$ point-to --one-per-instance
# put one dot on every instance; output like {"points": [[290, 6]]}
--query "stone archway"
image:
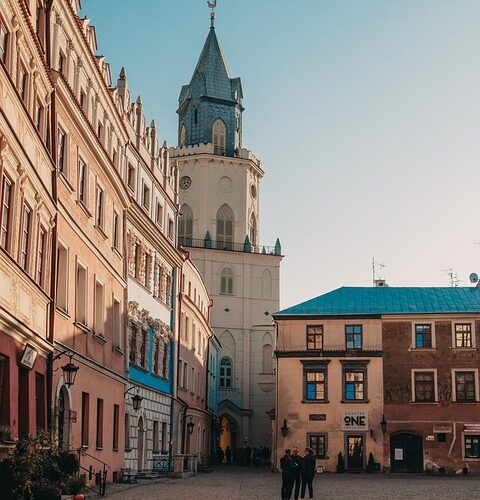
{"points": [[63, 418]]}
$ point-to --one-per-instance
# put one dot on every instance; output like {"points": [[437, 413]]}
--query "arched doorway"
{"points": [[63, 424], [228, 433], [141, 444], [406, 452]]}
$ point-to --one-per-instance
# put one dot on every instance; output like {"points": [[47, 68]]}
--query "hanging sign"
{"points": [[355, 420], [29, 357]]}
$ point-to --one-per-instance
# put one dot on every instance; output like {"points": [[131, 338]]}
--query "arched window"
{"points": [[267, 284], [219, 134], [226, 372], [226, 281], [183, 136], [195, 116], [267, 360], [185, 225], [225, 220], [253, 229]]}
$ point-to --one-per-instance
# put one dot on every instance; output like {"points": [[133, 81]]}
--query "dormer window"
{"points": [[219, 134]]}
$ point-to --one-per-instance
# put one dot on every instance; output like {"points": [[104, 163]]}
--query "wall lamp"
{"points": [[190, 426], [383, 424], [69, 370], [136, 400], [284, 428]]}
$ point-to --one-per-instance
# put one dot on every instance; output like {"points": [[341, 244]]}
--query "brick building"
{"points": [[423, 415]]}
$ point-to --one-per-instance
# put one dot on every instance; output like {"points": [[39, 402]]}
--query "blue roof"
{"points": [[389, 300]]}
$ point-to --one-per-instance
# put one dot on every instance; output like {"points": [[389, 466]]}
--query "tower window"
{"points": [[253, 229], [219, 134], [183, 136], [225, 220], [226, 373], [226, 281], [185, 226]]}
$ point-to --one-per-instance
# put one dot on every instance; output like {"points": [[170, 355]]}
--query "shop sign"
{"points": [[29, 357], [472, 427], [430, 438], [73, 416], [440, 429], [355, 420]]}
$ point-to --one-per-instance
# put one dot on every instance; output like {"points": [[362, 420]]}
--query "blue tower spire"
{"points": [[210, 106]]}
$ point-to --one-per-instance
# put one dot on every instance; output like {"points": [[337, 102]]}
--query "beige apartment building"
{"points": [[329, 386], [91, 282], [195, 421], [27, 214]]}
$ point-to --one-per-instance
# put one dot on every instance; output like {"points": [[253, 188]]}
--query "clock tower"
{"points": [[219, 225]]}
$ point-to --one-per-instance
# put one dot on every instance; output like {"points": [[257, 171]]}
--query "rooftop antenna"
{"points": [[212, 6], [452, 276], [376, 265]]}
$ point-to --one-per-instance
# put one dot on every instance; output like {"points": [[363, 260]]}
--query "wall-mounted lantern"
{"points": [[284, 428], [69, 370], [190, 426], [383, 424]]}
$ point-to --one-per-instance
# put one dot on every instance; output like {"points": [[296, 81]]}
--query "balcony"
{"points": [[245, 247]]}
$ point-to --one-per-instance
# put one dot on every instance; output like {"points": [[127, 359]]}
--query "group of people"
{"points": [[297, 472], [247, 456]]}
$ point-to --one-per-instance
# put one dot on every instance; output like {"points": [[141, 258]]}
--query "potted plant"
{"points": [[4, 433], [371, 463], [340, 463], [75, 487]]}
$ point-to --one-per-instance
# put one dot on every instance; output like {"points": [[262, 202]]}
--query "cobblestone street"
{"points": [[232, 483]]}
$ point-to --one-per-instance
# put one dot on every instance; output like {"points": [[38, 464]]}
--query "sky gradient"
{"points": [[365, 114]]}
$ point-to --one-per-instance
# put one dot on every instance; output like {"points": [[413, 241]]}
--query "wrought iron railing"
{"points": [[162, 463], [231, 246], [100, 476]]}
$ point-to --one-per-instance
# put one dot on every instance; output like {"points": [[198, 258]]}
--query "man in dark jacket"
{"points": [[286, 465], [308, 472], [297, 471]]}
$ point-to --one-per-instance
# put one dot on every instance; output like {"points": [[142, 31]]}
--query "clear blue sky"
{"points": [[366, 115]]}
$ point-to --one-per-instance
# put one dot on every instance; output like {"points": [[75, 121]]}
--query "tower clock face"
{"points": [[185, 182]]}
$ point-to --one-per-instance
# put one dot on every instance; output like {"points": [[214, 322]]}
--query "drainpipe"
{"points": [[175, 372], [53, 260], [275, 434]]}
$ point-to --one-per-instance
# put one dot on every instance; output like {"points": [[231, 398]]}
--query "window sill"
{"points": [[424, 402], [315, 401], [63, 313], [117, 351], [160, 377], [141, 368], [66, 182], [99, 338], [463, 349], [355, 401], [82, 205], [82, 326], [99, 447], [465, 402], [101, 231], [422, 349], [115, 449], [472, 459]]}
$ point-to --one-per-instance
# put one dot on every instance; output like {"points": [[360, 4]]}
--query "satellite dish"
{"points": [[473, 278]]}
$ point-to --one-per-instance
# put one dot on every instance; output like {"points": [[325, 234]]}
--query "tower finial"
{"points": [[212, 6]]}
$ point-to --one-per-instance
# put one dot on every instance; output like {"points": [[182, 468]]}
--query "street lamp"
{"points": [[137, 402], [245, 441], [284, 428], [383, 424], [69, 370], [190, 426]]}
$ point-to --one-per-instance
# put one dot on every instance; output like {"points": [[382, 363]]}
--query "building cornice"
{"points": [[329, 354]]}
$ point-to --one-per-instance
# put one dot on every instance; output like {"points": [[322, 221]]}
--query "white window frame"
{"points": [[474, 337], [117, 340], [81, 264], [435, 385], [67, 276], [434, 341], [454, 385], [95, 322]]}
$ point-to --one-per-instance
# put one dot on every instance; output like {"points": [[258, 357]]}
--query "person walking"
{"points": [[286, 465], [228, 455], [308, 473], [297, 471]]}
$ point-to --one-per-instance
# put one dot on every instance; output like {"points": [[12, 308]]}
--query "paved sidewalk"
{"points": [[240, 483]]}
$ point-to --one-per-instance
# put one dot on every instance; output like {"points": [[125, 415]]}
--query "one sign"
{"points": [[398, 454], [317, 416], [430, 438], [28, 357], [355, 420], [73, 416]]}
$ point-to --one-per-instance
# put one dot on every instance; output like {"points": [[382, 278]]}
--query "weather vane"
{"points": [[212, 6]]}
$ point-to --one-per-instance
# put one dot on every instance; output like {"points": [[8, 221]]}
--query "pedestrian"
{"points": [[228, 455], [308, 473], [286, 465], [297, 471], [220, 455]]}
